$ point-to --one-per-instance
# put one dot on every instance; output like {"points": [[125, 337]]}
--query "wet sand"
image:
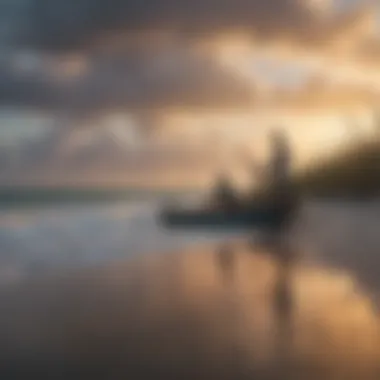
{"points": [[193, 315]]}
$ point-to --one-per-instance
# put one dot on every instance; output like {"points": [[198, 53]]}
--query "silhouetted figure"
{"points": [[225, 196], [281, 159], [284, 200]]}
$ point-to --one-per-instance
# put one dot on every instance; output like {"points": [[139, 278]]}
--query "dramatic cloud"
{"points": [[124, 60], [57, 24], [170, 79], [81, 59], [132, 80]]}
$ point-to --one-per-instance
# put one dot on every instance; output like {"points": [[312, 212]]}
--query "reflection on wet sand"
{"points": [[282, 311], [172, 317], [225, 259]]}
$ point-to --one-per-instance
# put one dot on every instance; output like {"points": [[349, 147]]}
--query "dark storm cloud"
{"points": [[19, 89], [144, 75], [65, 24], [131, 80]]}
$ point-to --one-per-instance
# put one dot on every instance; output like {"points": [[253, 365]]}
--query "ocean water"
{"points": [[37, 240], [40, 240]]}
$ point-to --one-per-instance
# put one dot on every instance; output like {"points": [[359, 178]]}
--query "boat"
{"points": [[260, 217]]}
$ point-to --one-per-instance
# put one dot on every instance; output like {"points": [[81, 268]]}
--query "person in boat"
{"points": [[225, 196], [284, 200]]}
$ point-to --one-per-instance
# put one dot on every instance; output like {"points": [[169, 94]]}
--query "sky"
{"points": [[118, 85]]}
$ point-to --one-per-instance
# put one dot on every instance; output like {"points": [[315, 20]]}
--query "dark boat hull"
{"points": [[220, 220]]}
